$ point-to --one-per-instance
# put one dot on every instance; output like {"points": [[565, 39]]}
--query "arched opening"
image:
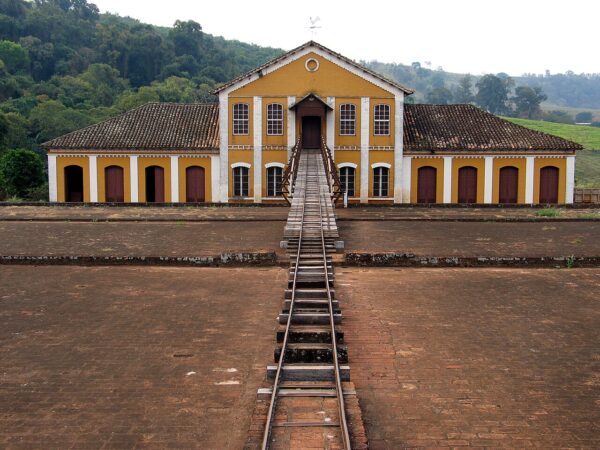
{"points": [[427, 184], [274, 178], [240, 181], [381, 177], [73, 184], [194, 184], [509, 185], [114, 184], [155, 184], [467, 184], [347, 176], [549, 184]]}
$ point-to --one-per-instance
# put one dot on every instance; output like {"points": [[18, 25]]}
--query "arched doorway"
{"points": [[155, 184], [509, 185], [426, 184], [467, 184], [73, 184], [114, 184], [549, 184], [194, 184]]}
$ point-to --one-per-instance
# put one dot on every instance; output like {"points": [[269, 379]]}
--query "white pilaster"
{"points": [[447, 179], [175, 179], [398, 146], [222, 194], [93, 163], [291, 125], [570, 185], [406, 178], [215, 177], [488, 180], [133, 178], [257, 134], [331, 125], [529, 173], [52, 179], [365, 122]]}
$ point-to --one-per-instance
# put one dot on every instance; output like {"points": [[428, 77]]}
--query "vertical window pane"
{"points": [[347, 119], [381, 120], [240, 118], [275, 119]]}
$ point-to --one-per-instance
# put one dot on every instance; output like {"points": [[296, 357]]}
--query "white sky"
{"points": [[476, 36]]}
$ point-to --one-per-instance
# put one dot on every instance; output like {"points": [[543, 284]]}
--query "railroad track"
{"points": [[308, 379]]}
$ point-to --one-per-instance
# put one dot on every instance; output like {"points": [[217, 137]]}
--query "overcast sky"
{"points": [[476, 36]]}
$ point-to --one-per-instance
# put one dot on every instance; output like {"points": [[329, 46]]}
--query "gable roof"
{"points": [[153, 126], [308, 97], [368, 74], [466, 127]]}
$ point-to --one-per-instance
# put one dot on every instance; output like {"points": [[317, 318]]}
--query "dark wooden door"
{"points": [[549, 184], [194, 184], [467, 185], [509, 185], [426, 185], [311, 132], [155, 184], [113, 176], [73, 184]]}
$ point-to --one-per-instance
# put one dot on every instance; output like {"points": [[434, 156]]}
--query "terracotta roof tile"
{"points": [[153, 126], [466, 127]]}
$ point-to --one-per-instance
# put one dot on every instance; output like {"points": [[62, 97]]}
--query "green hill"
{"points": [[587, 169]]}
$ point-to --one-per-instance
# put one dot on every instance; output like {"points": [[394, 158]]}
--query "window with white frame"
{"points": [[240, 181], [275, 119], [381, 177], [347, 119], [240, 118], [274, 177], [347, 175], [381, 117]]}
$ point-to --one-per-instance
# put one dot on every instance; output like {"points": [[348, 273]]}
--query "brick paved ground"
{"points": [[212, 238], [278, 213], [99, 357], [475, 357]]}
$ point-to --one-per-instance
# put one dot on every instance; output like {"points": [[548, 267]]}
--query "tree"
{"points": [[584, 117], [187, 38], [439, 96], [558, 117], [20, 171], [527, 102], [14, 56], [463, 93], [492, 93], [51, 119]]}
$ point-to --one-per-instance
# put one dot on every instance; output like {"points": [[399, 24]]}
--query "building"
{"points": [[235, 151]]}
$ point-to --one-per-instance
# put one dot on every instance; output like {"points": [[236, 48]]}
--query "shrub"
{"points": [[548, 212], [20, 172]]}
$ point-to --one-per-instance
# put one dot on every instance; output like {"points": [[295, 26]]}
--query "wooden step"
{"points": [[308, 372]]}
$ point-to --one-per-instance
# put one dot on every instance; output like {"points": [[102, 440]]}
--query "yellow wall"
{"points": [[479, 164], [561, 164], [245, 156], [241, 139], [103, 163], [64, 161], [379, 156], [143, 162], [294, 79], [184, 163], [386, 140], [274, 139], [350, 156], [499, 163], [416, 164], [271, 156]]}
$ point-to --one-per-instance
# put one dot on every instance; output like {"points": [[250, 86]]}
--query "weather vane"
{"points": [[313, 26]]}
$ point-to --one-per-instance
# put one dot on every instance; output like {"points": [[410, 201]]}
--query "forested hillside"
{"points": [[64, 66]]}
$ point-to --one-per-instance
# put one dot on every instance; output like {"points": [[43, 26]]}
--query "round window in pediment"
{"points": [[311, 64]]}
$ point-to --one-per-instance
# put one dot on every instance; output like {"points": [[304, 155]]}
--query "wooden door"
{"points": [[113, 176], [73, 184], [155, 184], [311, 132], [194, 184], [509, 185], [426, 184], [467, 185], [549, 184]]}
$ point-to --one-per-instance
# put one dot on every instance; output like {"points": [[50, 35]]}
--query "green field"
{"points": [[587, 166]]}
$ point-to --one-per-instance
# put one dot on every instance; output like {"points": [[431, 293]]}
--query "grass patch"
{"points": [[585, 135], [587, 169], [548, 212]]}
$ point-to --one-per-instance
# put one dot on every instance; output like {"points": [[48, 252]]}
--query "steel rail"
{"points": [[338, 382], [269, 423]]}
